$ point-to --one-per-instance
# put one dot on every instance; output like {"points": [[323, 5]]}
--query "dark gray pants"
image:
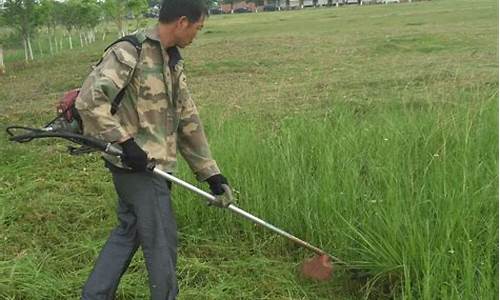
{"points": [[146, 219]]}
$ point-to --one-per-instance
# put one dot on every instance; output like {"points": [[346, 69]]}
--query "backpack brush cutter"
{"points": [[318, 268]]}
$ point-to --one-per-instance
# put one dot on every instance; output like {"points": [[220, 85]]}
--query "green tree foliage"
{"points": [[69, 14], [117, 10], [22, 15], [69, 17], [137, 8], [48, 13], [88, 16], [90, 13]]}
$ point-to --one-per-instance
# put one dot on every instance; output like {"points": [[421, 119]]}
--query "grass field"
{"points": [[369, 131]]}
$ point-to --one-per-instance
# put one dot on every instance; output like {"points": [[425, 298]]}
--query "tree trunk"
{"points": [[40, 47], [50, 45], [25, 43], [104, 35], [2, 66], [70, 41], [81, 40], [30, 48], [61, 43]]}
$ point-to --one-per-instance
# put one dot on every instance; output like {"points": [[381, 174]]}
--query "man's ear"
{"points": [[182, 22]]}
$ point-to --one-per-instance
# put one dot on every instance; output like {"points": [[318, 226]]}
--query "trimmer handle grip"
{"points": [[112, 149], [116, 150]]}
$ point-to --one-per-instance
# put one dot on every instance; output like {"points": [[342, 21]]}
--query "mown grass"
{"points": [[370, 131]]}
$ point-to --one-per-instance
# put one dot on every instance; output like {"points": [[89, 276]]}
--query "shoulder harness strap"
{"points": [[137, 43]]}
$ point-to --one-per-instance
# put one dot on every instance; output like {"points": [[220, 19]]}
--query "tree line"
{"points": [[75, 17], [56, 22]]}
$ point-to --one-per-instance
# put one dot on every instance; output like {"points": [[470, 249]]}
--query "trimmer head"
{"points": [[318, 268]]}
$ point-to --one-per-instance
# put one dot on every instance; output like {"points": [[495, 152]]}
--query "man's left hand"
{"points": [[221, 190]]}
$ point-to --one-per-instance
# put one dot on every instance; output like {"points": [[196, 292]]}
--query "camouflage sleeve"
{"points": [[192, 142], [99, 90]]}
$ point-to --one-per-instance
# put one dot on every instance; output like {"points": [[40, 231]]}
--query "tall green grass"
{"points": [[406, 192]]}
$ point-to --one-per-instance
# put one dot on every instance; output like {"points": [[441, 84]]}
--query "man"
{"points": [[155, 117]]}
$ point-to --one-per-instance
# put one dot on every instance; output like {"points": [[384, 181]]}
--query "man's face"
{"points": [[186, 31]]}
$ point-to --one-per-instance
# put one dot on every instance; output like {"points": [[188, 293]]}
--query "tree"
{"points": [[93, 16], [116, 10], [119, 10], [48, 17], [23, 17], [2, 66], [88, 16], [137, 8], [70, 18]]}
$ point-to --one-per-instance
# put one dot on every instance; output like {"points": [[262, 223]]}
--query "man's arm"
{"points": [[100, 89], [192, 142], [194, 148]]}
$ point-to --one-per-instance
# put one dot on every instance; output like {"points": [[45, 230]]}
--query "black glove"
{"points": [[133, 156], [221, 190], [216, 182]]}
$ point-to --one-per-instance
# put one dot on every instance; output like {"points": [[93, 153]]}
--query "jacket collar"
{"points": [[173, 52]]}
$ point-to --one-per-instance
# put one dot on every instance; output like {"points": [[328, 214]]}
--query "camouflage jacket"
{"points": [[157, 108]]}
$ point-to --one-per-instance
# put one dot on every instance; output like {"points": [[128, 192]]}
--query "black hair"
{"points": [[171, 10]]}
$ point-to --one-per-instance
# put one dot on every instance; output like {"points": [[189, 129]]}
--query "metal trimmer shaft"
{"points": [[241, 212]]}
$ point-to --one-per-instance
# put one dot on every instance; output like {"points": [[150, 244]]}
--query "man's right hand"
{"points": [[133, 156]]}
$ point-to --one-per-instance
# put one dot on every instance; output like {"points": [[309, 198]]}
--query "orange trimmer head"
{"points": [[317, 268]]}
